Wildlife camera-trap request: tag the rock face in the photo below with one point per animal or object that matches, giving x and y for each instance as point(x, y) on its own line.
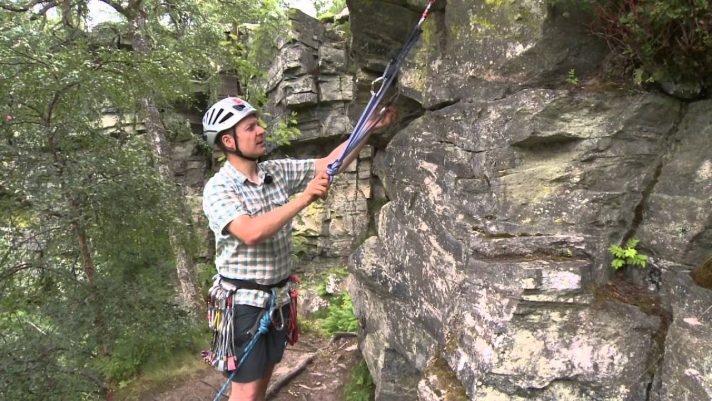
point(489, 276)
point(486, 275)
point(311, 78)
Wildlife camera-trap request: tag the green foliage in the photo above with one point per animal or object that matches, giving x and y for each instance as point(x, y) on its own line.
point(327, 9)
point(571, 78)
point(662, 39)
point(360, 387)
point(285, 130)
point(627, 256)
point(87, 277)
point(339, 316)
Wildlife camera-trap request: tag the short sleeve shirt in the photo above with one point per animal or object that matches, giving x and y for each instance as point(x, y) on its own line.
point(228, 195)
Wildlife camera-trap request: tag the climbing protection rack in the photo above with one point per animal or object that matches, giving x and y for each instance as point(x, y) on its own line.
point(363, 126)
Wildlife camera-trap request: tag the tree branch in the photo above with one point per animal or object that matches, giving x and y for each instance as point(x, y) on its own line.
point(43, 11)
point(21, 9)
point(116, 6)
point(55, 99)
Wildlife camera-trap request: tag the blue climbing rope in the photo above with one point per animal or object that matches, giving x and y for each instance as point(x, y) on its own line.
point(362, 128)
point(263, 328)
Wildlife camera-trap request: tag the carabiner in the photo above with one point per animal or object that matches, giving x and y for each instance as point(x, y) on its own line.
point(379, 79)
point(281, 317)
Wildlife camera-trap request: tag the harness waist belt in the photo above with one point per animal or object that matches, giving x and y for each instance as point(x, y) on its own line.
point(251, 285)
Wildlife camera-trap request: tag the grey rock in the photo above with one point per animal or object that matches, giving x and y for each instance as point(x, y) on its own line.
point(332, 59)
point(292, 61)
point(342, 16)
point(298, 92)
point(679, 209)
point(336, 88)
point(682, 90)
point(503, 201)
point(686, 371)
point(305, 29)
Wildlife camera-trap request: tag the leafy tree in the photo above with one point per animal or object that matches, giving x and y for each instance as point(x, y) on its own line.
point(328, 8)
point(93, 228)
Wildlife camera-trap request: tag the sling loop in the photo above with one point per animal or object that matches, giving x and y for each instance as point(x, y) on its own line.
point(265, 321)
point(362, 128)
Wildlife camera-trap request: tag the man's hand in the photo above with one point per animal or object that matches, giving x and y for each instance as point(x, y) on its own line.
point(389, 116)
point(318, 187)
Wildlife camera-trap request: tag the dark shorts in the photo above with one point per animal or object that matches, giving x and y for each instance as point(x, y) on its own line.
point(268, 349)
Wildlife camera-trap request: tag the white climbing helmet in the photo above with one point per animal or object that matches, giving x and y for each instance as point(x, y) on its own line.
point(224, 115)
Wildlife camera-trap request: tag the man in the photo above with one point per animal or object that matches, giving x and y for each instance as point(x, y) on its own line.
point(249, 207)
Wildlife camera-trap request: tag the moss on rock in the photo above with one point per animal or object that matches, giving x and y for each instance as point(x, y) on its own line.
point(443, 379)
point(702, 275)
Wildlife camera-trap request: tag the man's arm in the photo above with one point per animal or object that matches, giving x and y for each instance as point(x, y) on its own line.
point(321, 164)
point(254, 229)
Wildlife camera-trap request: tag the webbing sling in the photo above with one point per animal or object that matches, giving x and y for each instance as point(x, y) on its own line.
point(264, 322)
point(362, 128)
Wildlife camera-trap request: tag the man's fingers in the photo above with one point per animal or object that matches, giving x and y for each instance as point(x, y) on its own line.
point(319, 186)
point(389, 116)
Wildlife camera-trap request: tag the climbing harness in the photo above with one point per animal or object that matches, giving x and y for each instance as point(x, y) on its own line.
point(363, 126)
point(226, 352)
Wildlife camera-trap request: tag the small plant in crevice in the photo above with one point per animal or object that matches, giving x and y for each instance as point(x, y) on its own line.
point(628, 255)
point(360, 387)
point(284, 130)
point(571, 78)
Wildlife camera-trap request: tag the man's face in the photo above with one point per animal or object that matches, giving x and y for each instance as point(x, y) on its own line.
point(251, 137)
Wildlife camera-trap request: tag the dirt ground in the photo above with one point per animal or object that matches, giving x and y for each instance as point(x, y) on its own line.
point(314, 369)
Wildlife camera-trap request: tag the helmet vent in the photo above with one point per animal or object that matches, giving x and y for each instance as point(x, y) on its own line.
point(216, 116)
point(228, 115)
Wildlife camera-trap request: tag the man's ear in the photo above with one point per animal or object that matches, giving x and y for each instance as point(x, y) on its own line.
point(228, 141)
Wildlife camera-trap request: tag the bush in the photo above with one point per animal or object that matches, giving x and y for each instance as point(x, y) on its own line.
point(339, 316)
point(665, 40)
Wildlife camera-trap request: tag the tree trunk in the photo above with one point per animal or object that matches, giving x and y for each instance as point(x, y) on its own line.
point(76, 213)
point(189, 294)
point(88, 266)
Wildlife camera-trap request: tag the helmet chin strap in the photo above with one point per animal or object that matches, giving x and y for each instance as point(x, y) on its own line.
point(237, 151)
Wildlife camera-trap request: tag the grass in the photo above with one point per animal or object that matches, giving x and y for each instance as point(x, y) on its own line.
point(159, 377)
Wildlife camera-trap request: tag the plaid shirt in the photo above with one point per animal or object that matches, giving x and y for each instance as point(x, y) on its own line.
point(228, 195)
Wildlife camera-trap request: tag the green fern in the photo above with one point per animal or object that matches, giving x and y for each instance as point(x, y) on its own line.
point(628, 255)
